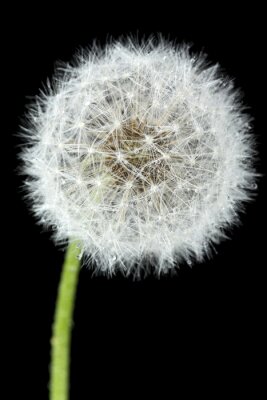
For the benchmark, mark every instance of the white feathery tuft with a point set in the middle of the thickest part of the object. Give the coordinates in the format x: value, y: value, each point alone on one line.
x: 140, y: 152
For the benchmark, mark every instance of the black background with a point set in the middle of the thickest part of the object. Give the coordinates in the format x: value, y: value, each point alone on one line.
x: 203, y: 326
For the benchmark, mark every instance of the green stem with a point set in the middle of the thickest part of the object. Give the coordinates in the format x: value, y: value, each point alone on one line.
x: 60, y: 355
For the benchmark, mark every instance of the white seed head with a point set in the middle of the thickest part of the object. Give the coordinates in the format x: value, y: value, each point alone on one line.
x: 140, y: 152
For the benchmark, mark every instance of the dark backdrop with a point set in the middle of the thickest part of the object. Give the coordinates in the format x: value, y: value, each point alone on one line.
x: 202, y: 327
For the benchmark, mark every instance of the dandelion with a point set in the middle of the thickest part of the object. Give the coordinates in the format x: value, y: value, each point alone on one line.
x: 139, y: 152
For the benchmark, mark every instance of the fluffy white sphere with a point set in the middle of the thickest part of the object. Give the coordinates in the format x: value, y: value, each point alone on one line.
x: 140, y: 152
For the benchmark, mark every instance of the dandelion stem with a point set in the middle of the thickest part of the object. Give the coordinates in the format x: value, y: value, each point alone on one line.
x: 60, y: 354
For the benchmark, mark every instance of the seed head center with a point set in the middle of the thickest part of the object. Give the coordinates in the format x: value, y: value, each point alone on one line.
x: 137, y: 153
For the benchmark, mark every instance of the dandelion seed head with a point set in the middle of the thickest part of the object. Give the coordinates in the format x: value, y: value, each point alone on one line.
x: 140, y: 152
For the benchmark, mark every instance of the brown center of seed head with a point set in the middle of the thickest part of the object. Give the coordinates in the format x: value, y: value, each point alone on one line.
x: 134, y: 155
